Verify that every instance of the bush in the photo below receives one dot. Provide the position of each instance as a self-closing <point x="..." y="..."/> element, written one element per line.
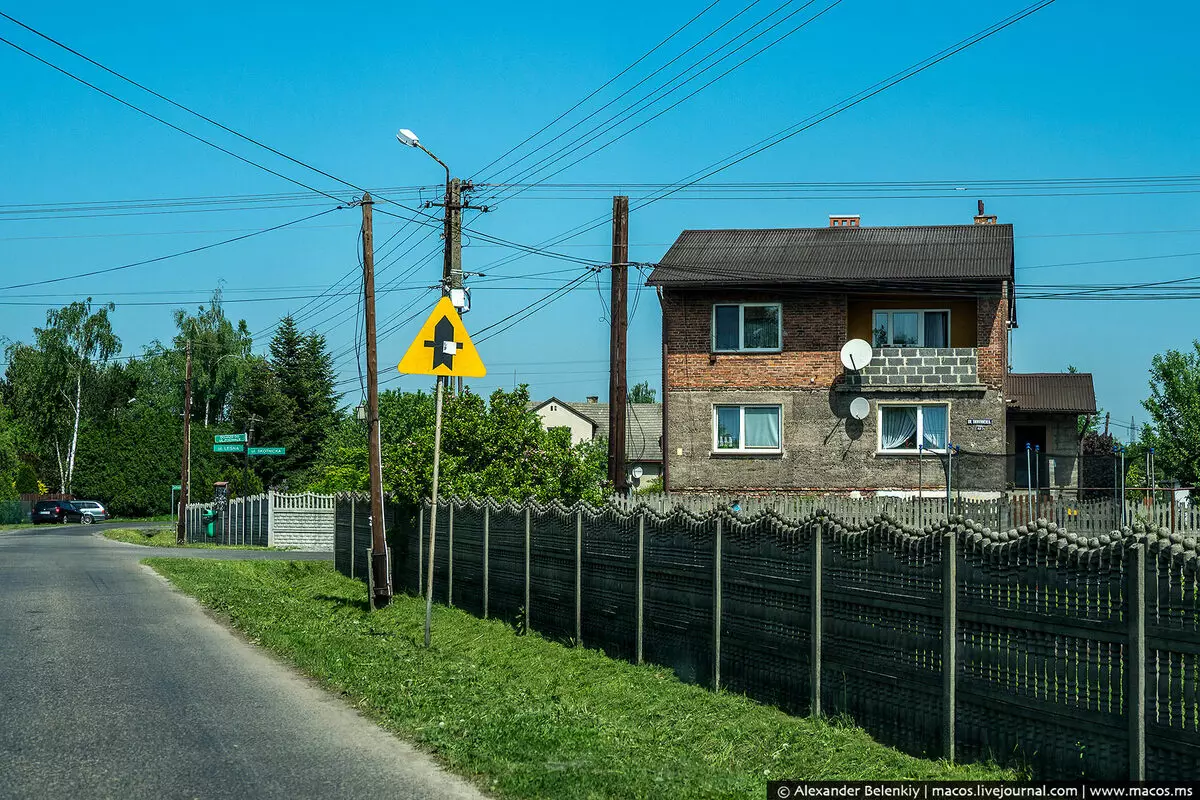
<point x="11" y="513"/>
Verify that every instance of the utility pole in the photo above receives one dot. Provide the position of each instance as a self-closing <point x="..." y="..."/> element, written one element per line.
<point x="381" y="584"/>
<point x="186" y="467"/>
<point x="618" y="390"/>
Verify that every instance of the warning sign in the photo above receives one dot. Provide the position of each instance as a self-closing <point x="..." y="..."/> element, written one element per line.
<point x="443" y="347"/>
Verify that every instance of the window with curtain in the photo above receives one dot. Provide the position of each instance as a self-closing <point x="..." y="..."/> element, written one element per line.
<point x="747" y="327"/>
<point x="910" y="328"/>
<point x="747" y="428"/>
<point x="901" y="428"/>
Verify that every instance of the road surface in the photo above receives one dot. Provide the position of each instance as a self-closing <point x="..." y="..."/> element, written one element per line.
<point x="114" y="685"/>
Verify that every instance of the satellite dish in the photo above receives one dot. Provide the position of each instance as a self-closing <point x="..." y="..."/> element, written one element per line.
<point x="856" y="354"/>
<point x="637" y="473"/>
<point x="860" y="408"/>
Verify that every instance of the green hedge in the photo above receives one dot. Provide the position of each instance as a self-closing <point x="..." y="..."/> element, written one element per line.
<point x="11" y="513"/>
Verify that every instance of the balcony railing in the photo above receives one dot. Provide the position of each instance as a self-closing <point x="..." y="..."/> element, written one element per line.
<point x="917" y="368"/>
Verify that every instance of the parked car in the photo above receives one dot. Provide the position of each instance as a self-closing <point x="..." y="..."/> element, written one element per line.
<point x="58" y="511"/>
<point x="93" y="509"/>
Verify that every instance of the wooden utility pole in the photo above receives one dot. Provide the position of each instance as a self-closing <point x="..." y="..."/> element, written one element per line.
<point x="185" y="468"/>
<point x="618" y="390"/>
<point x="381" y="580"/>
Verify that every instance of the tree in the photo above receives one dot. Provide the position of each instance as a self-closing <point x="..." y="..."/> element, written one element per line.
<point x="261" y="405"/>
<point x="304" y="370"/>
<point x="9" y="463"/>
<point x="1174" y="408"/>
<point x="48" y="380"/>
<point x="219" y="353"/>
<point x="641" y="393"/>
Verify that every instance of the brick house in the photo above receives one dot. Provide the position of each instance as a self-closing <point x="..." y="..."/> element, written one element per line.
<point x="756" y="396"/>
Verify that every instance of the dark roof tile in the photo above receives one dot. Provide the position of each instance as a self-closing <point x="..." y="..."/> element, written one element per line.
<point x="837" y="255"/>
<point x="1051" y="392"/>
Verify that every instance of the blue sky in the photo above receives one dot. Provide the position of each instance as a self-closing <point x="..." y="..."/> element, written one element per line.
<point x="1080" y="90"/>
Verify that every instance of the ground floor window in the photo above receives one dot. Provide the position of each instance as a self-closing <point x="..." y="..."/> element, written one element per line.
<point x="746" y="428"/>
<point x="907" y="428"/>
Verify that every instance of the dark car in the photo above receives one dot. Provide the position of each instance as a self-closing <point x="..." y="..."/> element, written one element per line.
<point x="59" y="511"/>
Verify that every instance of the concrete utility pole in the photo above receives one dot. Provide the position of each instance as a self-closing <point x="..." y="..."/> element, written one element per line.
<point x="381" y="579"/>
<point x="618" y="390"/>
<point x="186" y="467"/>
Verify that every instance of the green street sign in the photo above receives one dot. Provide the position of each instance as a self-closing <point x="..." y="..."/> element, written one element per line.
<point x="176" y="488"/>
<point x="227" y="448"/>
<point x="267" y="451"/>
<point x="224" y="438"/>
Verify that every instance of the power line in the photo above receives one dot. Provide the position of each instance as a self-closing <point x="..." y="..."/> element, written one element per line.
<point x="599" y="89"/>
<point x="158" y="259"/>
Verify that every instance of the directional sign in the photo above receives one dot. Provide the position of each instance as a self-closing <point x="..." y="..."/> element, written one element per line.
<point x="227" y="448"/>
<point x="225" y="438"/>
<point x="176" y="488"/>
<point x="443" y="347"/>
<point x="267" y="451"/>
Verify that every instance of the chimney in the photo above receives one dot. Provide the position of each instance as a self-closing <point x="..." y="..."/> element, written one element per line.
<point x="843" y="220"/>
<point x="984" y="219"/>
<point x="593" y="398"/>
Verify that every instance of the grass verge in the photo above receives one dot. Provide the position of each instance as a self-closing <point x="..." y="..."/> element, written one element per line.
<point x="525" y="717"/>
<point x="165" y="537"/>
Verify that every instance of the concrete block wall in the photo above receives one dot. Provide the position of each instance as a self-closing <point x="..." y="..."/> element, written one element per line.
<point x="304" y="521"/>
<point x="918" y="366"/>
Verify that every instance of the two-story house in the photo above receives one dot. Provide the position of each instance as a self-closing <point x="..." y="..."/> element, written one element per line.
<point x="756" y="395"/>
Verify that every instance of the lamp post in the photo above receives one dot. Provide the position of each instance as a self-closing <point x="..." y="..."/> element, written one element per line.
<point x="451" y="263"/>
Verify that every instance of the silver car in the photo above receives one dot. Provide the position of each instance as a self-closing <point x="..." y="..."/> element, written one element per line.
<point x="92" y="511"/>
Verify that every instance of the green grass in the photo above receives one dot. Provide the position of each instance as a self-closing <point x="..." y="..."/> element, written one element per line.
<point x="165" y="537"/>
<point x="524" y="717"/>
<point x="155" y="518"/>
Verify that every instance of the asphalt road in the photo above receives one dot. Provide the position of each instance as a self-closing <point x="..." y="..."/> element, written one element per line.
<point x="113" y="685"/>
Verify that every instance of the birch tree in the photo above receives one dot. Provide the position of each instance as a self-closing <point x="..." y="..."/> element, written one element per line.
<point x="75" y="341"/>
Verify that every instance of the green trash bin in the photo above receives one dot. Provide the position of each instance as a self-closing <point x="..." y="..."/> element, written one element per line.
<point x="209" y="521"/>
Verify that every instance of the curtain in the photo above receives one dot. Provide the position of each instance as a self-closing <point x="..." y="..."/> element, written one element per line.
<point x="904" y="328"/>
<point x="762" y="326"/>
<point x="729" y="423"/>
<point x="762" y="427"/>
<point x="935" y="329"/>
<point x="726" y="322"/>
<point x="935" y="422"/>
<point x="900" y="428"/>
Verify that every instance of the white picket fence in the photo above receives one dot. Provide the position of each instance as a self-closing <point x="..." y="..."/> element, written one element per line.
<point x="301" y="521"/>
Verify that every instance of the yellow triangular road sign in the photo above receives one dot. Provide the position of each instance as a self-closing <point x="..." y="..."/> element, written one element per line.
<point x="443" y="347"/>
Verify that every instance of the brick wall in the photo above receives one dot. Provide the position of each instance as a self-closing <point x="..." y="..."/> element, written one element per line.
<point x="814" y="329"/>
<point x="992" y="323"/>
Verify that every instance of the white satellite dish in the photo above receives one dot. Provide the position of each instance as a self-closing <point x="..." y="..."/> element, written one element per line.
<point x="860" y="408"/>
<point x="856" y="354"/>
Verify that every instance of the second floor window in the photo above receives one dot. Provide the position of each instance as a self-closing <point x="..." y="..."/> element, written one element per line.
<point x="747" y="327"/>
<point x="911" y="328"/>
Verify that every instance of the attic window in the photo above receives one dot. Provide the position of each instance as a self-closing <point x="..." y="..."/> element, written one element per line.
<point x="553" y="407"/>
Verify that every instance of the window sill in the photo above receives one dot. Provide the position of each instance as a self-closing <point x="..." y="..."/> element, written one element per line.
<point x="910" y="453"/>
<point x="764" y="453"/>
<point x="767" y="351"/>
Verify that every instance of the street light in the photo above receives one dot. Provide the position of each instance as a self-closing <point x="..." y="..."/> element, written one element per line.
<point x="410" y="139"/>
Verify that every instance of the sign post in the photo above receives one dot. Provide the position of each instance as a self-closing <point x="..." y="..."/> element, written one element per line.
<point x="442" y="348"/>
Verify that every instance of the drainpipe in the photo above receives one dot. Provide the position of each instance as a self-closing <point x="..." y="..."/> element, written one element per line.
<point x="1029" y="481"/>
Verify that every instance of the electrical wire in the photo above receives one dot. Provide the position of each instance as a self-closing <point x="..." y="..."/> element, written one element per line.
<point x="158" y="259"/>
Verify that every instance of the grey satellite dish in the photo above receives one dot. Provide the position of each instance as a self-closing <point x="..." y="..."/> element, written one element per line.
<point x="637" y="473"/>
<point x="856" y="354"/>
<point x="860" y="408"/>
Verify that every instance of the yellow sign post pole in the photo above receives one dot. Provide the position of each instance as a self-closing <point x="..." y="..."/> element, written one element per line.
<point x="442" y="348"/>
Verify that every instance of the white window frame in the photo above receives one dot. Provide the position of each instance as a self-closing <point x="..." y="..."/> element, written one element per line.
<point x="920" y="312"/>
<point x="741" y="348"/>
<point x="879" y="449"/>
<point x="743" y="448"/>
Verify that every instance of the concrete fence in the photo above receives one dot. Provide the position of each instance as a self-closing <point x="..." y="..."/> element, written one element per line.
<point x="1072" y="654"/>
<point x="299" y="521"/>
